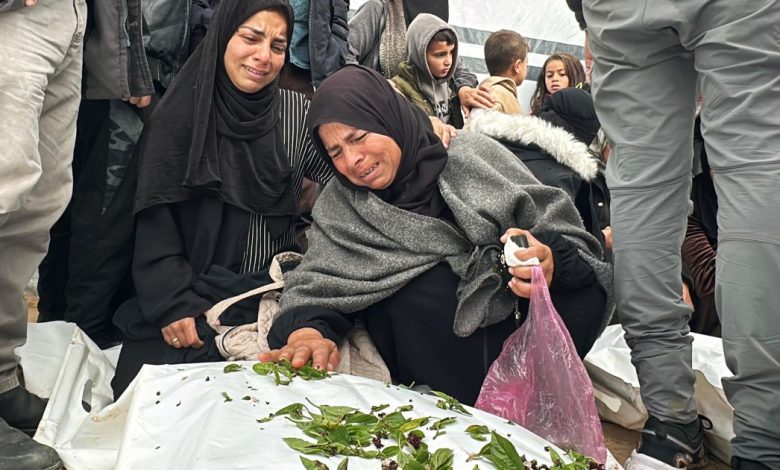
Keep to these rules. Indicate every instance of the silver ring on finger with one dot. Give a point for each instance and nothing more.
(175, 340)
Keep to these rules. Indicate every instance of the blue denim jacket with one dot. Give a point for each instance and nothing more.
(299, 45)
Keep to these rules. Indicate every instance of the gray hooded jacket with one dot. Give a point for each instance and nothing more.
(436, 90)
(366, 28)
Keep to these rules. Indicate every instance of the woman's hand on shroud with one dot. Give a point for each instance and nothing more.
(521, 275)
(303, 345)
(182, 334)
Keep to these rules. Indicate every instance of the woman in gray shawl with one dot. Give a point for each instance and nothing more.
(408, 239)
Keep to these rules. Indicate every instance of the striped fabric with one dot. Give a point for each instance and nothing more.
(305, 162)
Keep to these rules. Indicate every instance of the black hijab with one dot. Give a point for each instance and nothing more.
(572, 109)
(207, 136)
(440, 8)
(360, 97)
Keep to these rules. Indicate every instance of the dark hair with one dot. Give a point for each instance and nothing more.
(574, 71)
(502, 49)
(446, 36)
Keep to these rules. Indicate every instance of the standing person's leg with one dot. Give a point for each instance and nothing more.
(54, 269)
(53, 272)
(644, 90)
(102, 220)
(737, 56)
(40, 83)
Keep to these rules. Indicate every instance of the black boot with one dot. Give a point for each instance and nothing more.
(19, 452)
(21, 409)
(665, 445)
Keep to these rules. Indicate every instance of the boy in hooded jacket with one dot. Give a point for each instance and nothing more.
(426, 77)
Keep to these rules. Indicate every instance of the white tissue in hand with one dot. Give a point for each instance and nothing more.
(510, 248)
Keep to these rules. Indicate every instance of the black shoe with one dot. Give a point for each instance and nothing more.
(745, 464)
(21, 409)
(669, 445)
(19, 452)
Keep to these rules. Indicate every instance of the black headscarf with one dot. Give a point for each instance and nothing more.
(207, 136)
(440, 8)
(573, 110)
(362, 98)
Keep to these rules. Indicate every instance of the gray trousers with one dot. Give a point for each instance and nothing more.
(40, 90)
(648, 58)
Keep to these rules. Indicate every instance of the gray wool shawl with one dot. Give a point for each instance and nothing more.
(362, 250)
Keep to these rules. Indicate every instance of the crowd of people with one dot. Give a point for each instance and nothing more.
(202, 143)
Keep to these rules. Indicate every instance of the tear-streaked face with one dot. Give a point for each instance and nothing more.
(365, 158)
(255, 53)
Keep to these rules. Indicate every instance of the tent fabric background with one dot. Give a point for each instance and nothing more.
(548, 26)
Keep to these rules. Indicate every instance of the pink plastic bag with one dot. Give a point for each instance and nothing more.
(540, 383)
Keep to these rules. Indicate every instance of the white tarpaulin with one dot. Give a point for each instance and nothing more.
(177, 416)
(548, 25)
(191, 425)
(61, 363)
(617, 387)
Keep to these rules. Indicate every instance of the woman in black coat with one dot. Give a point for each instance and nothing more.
(554, 146)
(219, 180)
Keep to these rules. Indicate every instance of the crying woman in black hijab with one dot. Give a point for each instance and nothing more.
(220, 170)
(411, 227)
(381, 127)
(216, 130)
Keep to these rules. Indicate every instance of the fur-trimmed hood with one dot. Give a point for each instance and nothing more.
(531, 130)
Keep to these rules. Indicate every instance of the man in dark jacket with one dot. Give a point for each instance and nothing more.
(649, 60)
(114, 59)
(319, 43)
(85, 275)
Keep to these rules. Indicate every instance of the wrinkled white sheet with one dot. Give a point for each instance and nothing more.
(193, 426)
(61, 363)
(172, 417)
